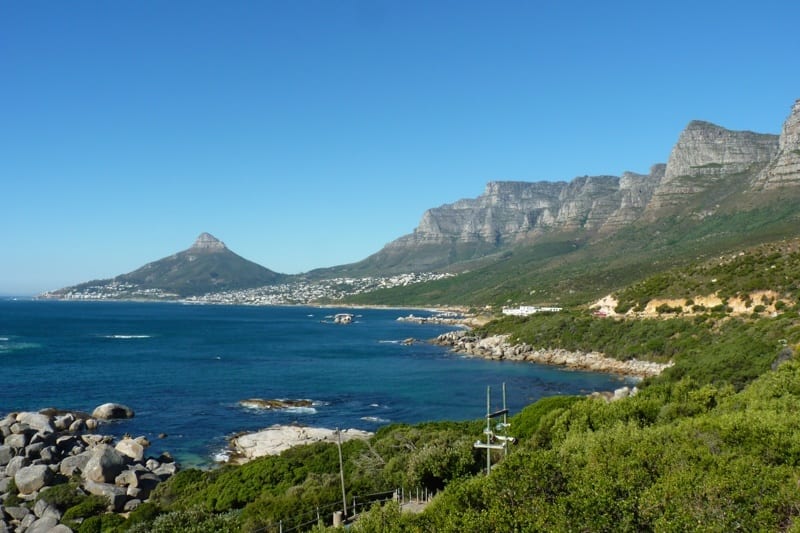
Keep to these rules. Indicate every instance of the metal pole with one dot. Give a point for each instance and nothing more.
(488, 429)
(505, 423)
(341, 471)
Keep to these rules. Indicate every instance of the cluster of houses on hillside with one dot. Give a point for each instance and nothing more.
(527, 310)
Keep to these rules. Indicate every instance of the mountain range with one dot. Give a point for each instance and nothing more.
(556, 241)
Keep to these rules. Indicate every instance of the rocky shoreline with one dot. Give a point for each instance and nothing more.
(41, 450)
(498, 347)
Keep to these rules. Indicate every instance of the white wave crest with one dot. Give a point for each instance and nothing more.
(301, 410)
(375, 419)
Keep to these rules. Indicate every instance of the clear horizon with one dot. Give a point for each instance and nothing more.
(310, 134)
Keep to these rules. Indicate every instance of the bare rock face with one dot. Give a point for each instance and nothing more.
(510, 212)
(635, 193)
(707, 154)
(784, 170)
(207, 242)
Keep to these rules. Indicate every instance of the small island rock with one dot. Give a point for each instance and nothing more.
(111, 411)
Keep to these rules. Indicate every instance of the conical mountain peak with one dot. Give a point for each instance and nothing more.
(208, 242)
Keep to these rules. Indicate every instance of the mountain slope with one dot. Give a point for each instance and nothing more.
(558, 242)
(207, 266)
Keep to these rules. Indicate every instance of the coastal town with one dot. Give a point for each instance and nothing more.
(294, 293)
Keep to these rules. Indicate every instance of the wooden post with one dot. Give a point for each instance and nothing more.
(488, 430)
(341, 471)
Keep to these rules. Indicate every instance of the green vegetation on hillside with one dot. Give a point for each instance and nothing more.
(712, 444)
(577, 268)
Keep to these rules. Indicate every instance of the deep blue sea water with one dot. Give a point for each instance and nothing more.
(184, 368)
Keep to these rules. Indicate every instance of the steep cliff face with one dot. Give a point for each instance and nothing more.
(710, 171)
(707, 155)
(635, 193)
(511, 212)
(784, 169)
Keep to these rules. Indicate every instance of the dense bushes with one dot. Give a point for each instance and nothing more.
(712, 444)
(677, 456)
(728, 462)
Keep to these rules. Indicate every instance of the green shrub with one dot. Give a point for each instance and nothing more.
(525, 424)
(13, 499)
(89, 506)
(62, 496)
(145, 513)
(101, 523)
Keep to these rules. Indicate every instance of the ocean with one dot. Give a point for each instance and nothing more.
(184, 369)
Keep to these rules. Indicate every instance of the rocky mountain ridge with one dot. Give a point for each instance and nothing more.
(709, 167)
(711, 175)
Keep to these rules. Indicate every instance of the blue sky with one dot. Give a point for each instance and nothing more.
(310, 133)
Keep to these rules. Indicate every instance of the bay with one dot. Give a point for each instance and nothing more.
(184, 368)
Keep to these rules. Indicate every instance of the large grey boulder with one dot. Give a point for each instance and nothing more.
(116, 496)
(41, 509)
(17, 513)
(17, 441)
(63, 422)
(37, 421)
(15, 464)
(110, 411)
(6, 454)
(69, 465)
(34, 451)
(105, 464)
(26, 522)
(77, 425)
(92, 440)
(131, 448)
(29, 479)
(166, 470)
(65, 443)
(43, 525)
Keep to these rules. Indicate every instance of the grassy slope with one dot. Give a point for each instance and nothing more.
(570, 272)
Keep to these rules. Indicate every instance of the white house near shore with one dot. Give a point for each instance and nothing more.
(525, 310)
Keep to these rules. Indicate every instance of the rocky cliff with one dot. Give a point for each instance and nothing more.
(514, 212)
(707, 155)
(784, 169)
(709, 168)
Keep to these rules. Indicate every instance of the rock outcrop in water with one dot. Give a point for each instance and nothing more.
(39, 450)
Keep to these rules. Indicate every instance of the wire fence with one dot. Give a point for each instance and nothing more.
(355, 504)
